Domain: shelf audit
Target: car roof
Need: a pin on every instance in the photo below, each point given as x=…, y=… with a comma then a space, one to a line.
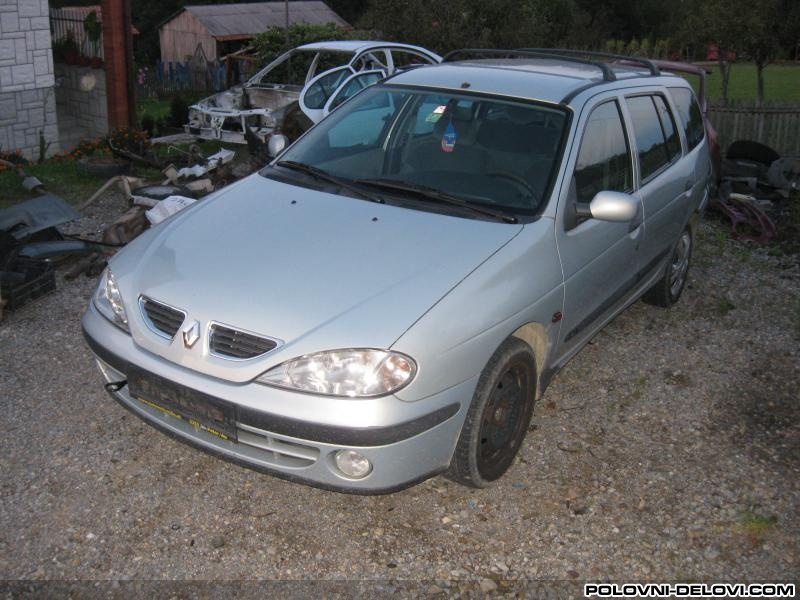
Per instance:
x=546, y=79
x=357, y=46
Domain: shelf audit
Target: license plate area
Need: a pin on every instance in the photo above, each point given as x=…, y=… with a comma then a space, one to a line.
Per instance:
x=200, y=410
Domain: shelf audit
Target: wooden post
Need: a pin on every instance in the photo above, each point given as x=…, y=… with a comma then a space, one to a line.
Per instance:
x=118, y=52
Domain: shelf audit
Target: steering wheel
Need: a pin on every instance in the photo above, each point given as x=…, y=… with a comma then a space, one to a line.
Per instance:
x=515, y=178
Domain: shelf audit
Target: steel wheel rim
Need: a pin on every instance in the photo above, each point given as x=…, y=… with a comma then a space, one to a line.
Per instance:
x=680, y=264
x=503, y=423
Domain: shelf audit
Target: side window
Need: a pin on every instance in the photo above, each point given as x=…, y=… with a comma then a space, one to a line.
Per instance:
x=668, y=125
x=691, y=116
x=318, y=92
x=604, y=161
x=403, y=59
x=355, y=85
x=650, y=142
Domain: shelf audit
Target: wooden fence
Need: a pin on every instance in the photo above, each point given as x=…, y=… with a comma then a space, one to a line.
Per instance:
x=776, y=124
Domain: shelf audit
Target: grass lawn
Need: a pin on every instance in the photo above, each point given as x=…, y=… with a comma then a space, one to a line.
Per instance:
x=158, y=108
x=62, y=178
x=781, y=82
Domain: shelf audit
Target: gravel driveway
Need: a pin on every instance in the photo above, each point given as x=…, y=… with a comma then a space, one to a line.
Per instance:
x=668, y=449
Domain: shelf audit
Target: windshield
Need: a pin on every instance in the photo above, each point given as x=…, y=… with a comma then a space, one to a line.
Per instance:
x=481, y=149
x=294, y=67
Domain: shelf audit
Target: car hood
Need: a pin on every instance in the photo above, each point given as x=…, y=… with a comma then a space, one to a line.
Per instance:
x=315, y=270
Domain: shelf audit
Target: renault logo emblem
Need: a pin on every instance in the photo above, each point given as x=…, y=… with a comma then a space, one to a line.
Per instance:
x=191, y=333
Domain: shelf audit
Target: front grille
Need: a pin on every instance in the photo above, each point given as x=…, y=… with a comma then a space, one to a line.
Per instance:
x=280, y=452
x=162, y=319
x=232, y=343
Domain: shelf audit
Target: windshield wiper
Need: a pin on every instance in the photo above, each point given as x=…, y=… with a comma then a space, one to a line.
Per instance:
x=325, y=176
x=439, y=196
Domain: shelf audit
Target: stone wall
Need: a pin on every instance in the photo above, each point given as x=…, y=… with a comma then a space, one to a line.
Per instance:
x=27, y=103
x=23, y=115
x=81, y=102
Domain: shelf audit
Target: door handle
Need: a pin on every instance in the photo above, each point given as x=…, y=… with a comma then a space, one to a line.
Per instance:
x=689, y=185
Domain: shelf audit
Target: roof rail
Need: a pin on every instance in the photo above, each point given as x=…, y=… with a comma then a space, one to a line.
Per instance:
x=564, y=53
x=608, y=74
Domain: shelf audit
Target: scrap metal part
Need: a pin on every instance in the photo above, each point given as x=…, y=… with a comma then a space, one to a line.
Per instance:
x=37, y=214
x=742, y=210
x=784, y=175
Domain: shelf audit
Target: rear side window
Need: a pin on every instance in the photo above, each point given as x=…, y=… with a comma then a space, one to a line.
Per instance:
x=691, y=116
x=668, y=125
x=650, y=141
x=604, y=161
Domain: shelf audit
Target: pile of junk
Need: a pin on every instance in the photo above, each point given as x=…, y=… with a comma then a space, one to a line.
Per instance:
x=32, y=244
x=756, y=189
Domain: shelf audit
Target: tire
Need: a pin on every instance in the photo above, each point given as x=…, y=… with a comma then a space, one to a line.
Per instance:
x=667, y=290
x=498, y=416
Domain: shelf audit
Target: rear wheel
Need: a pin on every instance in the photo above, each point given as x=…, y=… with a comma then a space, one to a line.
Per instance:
x=667, y=291
x=498, y=417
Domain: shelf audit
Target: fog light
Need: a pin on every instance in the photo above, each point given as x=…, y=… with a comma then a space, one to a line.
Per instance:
x=353, y=464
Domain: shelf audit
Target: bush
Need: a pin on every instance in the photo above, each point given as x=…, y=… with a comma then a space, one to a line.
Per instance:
x=148, y=124
x=272, y=42
x=178, y=111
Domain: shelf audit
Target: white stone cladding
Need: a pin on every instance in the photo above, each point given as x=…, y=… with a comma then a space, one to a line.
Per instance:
x=27, y=96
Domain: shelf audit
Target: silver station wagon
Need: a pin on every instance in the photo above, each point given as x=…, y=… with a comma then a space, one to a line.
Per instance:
x=387, y=299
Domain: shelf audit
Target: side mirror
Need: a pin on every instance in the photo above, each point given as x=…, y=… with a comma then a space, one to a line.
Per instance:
x=610, y=206
x=277, y=143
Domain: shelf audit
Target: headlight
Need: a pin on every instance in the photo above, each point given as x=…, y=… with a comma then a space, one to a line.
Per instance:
x=108, y=301
x=354, y=373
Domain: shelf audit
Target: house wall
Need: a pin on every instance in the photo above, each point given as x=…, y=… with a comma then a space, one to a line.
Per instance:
x=180, y=36
x=81, y=103
x=27, y=101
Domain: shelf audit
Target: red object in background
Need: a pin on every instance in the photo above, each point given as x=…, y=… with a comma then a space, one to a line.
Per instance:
x=713, y=53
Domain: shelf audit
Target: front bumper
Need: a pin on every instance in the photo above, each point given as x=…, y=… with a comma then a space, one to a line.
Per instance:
x=402, y=453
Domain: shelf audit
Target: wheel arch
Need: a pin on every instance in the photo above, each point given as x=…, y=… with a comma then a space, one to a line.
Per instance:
x=535, y=335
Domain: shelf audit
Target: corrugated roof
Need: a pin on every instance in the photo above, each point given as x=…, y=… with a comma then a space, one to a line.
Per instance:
x=223, y=20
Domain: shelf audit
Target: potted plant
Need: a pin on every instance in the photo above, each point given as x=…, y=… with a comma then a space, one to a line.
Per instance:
x=94, y=31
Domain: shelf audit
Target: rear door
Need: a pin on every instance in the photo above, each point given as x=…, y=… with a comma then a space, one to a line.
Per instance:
x=600, y=259
x=665, y=180
x=695, y=144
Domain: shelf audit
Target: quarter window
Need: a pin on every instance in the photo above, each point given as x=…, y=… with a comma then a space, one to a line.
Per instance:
x=668, y=125
x=604, y=161
x=650, y=141
x=691, y=116
x=318, y=93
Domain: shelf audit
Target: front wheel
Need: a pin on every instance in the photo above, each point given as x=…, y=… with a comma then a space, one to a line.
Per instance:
x=667, y=290
x=498, y=417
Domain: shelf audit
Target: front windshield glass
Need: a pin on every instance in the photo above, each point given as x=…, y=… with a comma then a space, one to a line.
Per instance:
x=294, y=68
x=481, y=149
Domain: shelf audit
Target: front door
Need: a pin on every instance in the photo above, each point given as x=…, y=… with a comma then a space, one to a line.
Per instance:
x=600, y=259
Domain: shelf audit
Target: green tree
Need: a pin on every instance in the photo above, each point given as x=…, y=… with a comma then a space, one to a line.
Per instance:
x=272, y=42
x=719, y=22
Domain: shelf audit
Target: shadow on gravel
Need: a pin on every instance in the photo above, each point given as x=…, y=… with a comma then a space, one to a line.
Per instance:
x=764, y=415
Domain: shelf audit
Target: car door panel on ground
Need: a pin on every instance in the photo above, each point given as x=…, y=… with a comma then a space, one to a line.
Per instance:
x=599, y=258
x=666, y=178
